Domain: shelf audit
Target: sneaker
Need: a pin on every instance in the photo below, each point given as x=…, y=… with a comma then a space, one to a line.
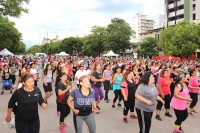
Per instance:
x=2, y=92
x=125, y=120
x=107, y=101
x=168, y=115
x=10, y=91
x=98, y=108
x=133, y=117
x=64, y=124
x=119, y=105
x=62, y=130
x=113, y=106
x=158, y=117
x=58, y=113
x=177, y=131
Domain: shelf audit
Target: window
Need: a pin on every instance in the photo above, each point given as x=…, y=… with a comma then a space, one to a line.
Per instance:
x=194, y=16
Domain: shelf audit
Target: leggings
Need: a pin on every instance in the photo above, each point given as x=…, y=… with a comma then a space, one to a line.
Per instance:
x=181, y=115
x=89, y=120
x=28, y=127
x=118, y=93
x=167, y=100
x=144, y=120
x=64, y=111
x=106, y=84
x=194, y=97
x=128, y=105
x=13, y=77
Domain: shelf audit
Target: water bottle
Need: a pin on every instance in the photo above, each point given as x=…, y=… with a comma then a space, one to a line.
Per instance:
x=12, y=123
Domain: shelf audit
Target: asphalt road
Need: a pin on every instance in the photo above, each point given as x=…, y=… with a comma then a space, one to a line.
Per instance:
x=108, y=121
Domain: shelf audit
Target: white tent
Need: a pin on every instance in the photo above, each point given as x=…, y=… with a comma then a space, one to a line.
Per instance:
x=63, y=54
x=110, y=53
x=5, y=52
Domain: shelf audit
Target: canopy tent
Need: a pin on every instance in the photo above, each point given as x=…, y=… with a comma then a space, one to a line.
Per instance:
x=110, y=53
x=5, y=52
x=63, y=54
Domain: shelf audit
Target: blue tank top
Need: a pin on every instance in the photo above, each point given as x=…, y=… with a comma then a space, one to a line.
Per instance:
x=118, y=80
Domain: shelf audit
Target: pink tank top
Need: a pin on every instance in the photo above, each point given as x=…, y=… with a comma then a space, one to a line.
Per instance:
x=178, y=103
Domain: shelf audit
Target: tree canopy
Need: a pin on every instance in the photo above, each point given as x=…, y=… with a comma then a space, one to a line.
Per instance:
x=180, y=40
x=13, y=8
x=9, y=36
x=148, y=47
x=119, y=35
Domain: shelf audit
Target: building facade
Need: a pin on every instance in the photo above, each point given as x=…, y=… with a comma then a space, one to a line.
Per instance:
x=179, y=10
x=142, y=24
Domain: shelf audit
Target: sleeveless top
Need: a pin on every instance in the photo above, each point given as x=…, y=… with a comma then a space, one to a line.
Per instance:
x=118, y=80
x=6, y=75
x=178, y=103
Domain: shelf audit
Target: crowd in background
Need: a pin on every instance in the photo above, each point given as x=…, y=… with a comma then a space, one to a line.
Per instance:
x=142, y=85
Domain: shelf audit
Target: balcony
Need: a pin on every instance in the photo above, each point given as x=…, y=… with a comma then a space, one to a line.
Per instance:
x=179, y=3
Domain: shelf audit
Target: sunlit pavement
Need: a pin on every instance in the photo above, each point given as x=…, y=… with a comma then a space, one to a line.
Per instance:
x=108, y=121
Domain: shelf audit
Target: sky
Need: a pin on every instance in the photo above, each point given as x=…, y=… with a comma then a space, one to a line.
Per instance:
x=67, y=18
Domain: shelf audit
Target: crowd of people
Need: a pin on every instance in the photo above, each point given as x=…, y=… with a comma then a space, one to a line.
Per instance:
x=142, y=85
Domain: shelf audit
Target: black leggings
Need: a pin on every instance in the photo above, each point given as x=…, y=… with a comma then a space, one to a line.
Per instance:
x=28, y=127
x=118, y=93
x=167, y=100
x=64, y=111
x=129, y=104
x=181, y=115
x=144, y=120
x=194, y=97
x=13, y=77
x=106, y=84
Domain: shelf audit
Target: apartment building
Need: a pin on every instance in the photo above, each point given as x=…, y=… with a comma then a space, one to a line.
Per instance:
x=142, y=24
x=179, y=10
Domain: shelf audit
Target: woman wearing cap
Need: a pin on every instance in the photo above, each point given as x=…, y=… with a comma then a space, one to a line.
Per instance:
x=83, y=100
x=179, y=102
x=27, y=98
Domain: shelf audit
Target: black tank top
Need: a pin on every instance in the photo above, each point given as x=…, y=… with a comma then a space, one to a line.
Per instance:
x=6, y=75
x=131, y=90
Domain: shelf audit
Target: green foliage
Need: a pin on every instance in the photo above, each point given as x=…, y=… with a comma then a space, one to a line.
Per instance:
x=35, y=49
x=72, y=45
x=181, y=40
x=9, y=36
x=148, y=47
x=13, y=8
x=96, y=41
x=119, y=34
x=21, y=48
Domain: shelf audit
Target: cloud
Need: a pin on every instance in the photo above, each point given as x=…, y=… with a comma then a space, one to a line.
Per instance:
x=76, y=17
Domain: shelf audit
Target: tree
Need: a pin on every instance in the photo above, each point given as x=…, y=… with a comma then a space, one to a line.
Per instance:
x=21, y=48
x=35, y=49
x=181, y=40
x=13, y=8
x=119, y=35
x=72, y=45
x=148, y=47
x=9, y=36
x=96, y=42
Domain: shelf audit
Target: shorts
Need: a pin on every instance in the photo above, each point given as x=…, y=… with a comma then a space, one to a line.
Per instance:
x=47, y=88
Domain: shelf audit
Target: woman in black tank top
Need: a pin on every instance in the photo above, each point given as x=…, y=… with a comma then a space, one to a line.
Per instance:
x=6, y=78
